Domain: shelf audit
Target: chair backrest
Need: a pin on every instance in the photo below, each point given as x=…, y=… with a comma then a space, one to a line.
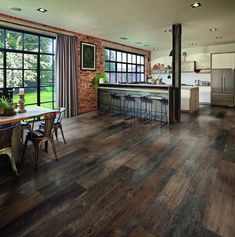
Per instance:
x=49, y=123
x=60, y=115
x=5, y=137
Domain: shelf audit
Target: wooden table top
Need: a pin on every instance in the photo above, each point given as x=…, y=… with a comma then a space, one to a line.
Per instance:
x=31, y=112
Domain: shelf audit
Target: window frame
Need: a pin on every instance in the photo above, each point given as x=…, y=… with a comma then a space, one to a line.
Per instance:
x=38, y=70
x=127, y=72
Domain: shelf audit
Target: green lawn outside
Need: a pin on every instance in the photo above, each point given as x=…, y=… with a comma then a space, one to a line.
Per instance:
x=31, y=98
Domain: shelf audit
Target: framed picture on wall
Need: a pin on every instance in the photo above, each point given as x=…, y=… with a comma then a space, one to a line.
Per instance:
x=88, y=56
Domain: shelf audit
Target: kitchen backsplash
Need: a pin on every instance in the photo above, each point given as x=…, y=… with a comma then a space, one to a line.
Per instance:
x=187, y=78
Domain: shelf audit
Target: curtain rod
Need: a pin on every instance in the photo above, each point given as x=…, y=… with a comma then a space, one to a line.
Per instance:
x=31, y=27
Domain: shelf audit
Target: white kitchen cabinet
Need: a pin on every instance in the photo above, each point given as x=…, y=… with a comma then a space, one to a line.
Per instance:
x=223, y=60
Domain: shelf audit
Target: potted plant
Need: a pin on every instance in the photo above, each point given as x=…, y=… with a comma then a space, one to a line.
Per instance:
x=99, y=76
x=4, y=103
x=6, y=108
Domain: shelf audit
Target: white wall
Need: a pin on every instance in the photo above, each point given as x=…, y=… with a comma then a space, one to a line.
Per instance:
x=199, y=54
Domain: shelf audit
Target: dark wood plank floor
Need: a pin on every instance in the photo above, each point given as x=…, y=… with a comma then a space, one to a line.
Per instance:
x=125, y=177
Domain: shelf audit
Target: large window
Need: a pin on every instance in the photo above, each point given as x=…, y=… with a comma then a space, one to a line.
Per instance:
x=124, y=67
x=27, y=61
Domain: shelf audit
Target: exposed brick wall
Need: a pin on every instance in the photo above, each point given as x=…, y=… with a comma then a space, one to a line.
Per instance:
x=87, y=95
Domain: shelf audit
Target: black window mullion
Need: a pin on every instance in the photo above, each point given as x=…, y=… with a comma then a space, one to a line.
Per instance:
x=38, y=74
x=126, y=72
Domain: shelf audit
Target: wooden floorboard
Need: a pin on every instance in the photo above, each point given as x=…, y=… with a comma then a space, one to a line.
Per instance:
x=126, y=177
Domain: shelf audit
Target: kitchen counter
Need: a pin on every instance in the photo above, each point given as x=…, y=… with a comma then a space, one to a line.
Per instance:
x=189, y=98
x=164, y=91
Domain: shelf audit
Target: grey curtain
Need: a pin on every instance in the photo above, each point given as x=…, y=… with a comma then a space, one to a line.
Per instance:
x=67, y=74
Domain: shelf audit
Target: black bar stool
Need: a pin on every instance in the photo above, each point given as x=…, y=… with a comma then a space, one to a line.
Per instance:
x=160, y=110
x=146, y=107
x=104, y=101
x=117, y=105
x=130, y=104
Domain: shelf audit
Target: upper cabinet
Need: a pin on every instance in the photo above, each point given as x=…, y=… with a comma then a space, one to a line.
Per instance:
x=223, y=60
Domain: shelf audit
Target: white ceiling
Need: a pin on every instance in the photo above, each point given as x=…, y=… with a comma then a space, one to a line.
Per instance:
x=139, y=20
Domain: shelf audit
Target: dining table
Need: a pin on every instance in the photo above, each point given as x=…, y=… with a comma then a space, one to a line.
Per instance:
x=31, y=113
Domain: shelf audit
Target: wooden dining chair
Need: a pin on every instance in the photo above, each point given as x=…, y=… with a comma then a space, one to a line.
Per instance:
x=57, y=123
x=5, y=145
x=41, y=136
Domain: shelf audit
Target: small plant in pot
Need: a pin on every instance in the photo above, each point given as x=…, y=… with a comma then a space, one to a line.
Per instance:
x=101, y=76
x=6, y=108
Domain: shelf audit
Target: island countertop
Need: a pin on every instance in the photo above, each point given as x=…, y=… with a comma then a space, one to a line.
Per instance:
x=145, y=85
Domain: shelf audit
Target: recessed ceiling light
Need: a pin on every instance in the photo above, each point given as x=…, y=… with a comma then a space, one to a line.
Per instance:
x=138, y=42
x=123, y=38
x=43, y=10
x=196, y=5
x=16, y=9
x=167, y=30
x=193, y=44
x=213, y=29
x=219, y=37
x=155, y=48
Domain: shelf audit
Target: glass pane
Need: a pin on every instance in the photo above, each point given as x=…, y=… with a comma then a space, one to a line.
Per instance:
x=119, y=67
x=134, y=77
x=1, y=79
x=112, y=67
x=46, y=78
x=30, y=78
x=30, y=96
x=142, y=68
x=1, y=59
x=129, y=58
x=106, y=66
x=119, y=77
x=124, y=57
x=138, y=77
x=14, y=60
x=1, y=38
x=46, y=94
x=30, y=42
x=47, y=105
x=133, y=68
x=129, y=67
x=107, y=75
x=106, y=53
x=138, y=59
x=142, y=77
x=16, y=95
x=129, y=77
x=142, y=59
x=112, y=55
x=138, y=68
x=46, y=62
x=112, y=78
x=133, y=58
x=14, y=40
x=119, y=56
x=30, y=61
x=46, y=45
x=14, y=78
x=124, y=79
x=124, y=67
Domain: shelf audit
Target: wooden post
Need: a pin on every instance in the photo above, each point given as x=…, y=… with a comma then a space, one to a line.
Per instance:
x=176, y=69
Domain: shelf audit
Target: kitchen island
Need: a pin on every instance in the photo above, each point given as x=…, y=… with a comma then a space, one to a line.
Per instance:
x=189, y=98
x=105, y=92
